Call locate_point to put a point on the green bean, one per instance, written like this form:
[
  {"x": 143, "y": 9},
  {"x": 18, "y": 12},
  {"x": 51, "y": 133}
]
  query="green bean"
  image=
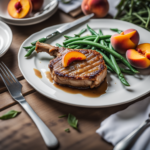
[
  {"x": 30, "y": 51},
  {"x": 138, "y": 16},
  {"x": 90, "y": 38},
  {"x": 58, "y": 45},
  {"x": 40, "y": 40},
  {"x": 107, "y": 40},
  {"x": 127, "y": 71},
  {"x": 85, "y": 37},
  {"x": 114, "y": 53},
  {"x": 109, "y": 68},
  {"x": 148, "y": 19},
  {"x": 116, "y": 30},
  {"x": 106, "y": 59},
  {"x": 80, "y": 33},
  {"x": 91, "y": 30},
  {"x": 118, "y": 71},
  {"x": 80, "y": 46},
  {"x": 68, "y": 37},
  {"x": 73, "y": 46},
  {"x": 131, "y": 7},
  {"x": 78, "y": 38},
  {"x": 28, "y": 47},
  {"x": 96, "y": 40}
]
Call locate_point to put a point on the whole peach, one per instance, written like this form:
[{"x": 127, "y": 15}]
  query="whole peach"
[
  {"x": 128, "y": 39},
  {"x": 37, "y": 4},
  {"x": 98, "y": 7}
]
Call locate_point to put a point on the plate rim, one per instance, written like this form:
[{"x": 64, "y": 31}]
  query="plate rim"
[
  {"x": 32, "y": 22},
  {"x": 10, "y": 37},
  {"x": 78, "y": 105},
  {"x": 32, "y": 18}
]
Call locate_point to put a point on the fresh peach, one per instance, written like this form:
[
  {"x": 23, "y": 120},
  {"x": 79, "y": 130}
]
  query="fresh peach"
[
  {"x": 72, "y": 56},
  {"x": 37, "y": 4},
  {"x": 128, "y": 39},
  {"x": 98, "y": 7},
  {"x": 144, "y": 49},
  {"x": 19, "y": 8},
  {"x": 137, "y": 59}
]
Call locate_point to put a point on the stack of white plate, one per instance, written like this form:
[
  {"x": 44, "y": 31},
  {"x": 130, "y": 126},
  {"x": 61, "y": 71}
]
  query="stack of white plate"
[
  {"x": 5, "y": 38},
  {"x": 5, "y": 17}
]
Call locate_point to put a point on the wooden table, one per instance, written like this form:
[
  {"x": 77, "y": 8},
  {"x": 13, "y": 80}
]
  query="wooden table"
[{"x": 21, "y": 133}]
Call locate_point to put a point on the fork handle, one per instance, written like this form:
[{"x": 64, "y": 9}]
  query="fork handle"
[
  {"x": 49, "y": 138},
  {"x": 127, "y": 141}
]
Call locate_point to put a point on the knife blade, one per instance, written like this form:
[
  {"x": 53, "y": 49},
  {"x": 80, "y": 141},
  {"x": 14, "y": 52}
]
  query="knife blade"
[{"x": 69, "y": 25}]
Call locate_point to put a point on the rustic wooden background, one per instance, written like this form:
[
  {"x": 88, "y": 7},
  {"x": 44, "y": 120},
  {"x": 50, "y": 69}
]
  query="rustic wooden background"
[{"x": 21, "y": 133}]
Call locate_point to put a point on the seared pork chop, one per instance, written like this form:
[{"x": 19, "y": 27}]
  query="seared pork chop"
[{"x": 87, "y": 73}]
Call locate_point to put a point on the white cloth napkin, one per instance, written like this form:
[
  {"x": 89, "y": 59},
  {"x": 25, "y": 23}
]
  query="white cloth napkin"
[
  {"x": 119, "y": 125},
  {"x": 74, "y": 4}
]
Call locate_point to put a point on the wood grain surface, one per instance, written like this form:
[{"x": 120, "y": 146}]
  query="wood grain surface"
[{"x": 20, "y": 133}]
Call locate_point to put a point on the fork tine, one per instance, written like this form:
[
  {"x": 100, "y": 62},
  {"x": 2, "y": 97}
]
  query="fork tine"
[
  {"x": 2, "y": 72},
  {"x": 10, "y": 73}
]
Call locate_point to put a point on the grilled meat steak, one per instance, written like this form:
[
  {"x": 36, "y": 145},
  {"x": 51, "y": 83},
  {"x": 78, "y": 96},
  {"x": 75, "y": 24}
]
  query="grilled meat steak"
[{"x": 87, "y": 73}]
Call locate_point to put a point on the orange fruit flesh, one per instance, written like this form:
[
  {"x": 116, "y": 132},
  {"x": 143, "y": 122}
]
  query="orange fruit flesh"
[
  {"x": 72, "y": 56},
  {"x": 12, "y": 10}
]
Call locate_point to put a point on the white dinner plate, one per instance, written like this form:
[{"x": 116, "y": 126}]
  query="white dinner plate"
[
  {"x": 5, "y": 38},
  {"x": 116, "y": 93},
  {"x": 5, "y": 17}
]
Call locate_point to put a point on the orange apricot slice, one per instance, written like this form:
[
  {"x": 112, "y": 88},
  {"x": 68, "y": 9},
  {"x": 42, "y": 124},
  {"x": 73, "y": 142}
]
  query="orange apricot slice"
[
  {"x": 137, "y": 59},
  {"x": 19, "y": 8},
  {"x": 144, "y": 48},
  {"x": 72, "y": 56}
]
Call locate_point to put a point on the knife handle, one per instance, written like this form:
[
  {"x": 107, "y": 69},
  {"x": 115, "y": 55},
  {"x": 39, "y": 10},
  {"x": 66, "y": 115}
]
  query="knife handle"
[
  {"x": 52, "y": 35},
  {"x": 130, "y": 139}
]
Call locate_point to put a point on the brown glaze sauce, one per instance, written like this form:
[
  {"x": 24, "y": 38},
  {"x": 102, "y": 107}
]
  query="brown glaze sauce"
[
  {"x": 48, "y": 76},
  {"x": 37, "y": 73},
  {"x": 96, "y": 92}
]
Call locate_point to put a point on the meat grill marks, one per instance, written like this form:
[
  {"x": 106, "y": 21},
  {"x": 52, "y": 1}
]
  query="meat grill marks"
[{"x": 81, "y": 74}]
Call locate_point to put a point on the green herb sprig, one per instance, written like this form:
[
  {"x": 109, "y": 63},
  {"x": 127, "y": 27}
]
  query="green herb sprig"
[{"x": 10, "y": 114}]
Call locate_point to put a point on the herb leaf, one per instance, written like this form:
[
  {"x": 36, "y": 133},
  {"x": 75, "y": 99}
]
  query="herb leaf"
[
  {"x": 67, "y": 130},
  {"x": 10, "y": 114},
  {"x": 73, "y": 122},
  {"x": 62, "y": 116}
]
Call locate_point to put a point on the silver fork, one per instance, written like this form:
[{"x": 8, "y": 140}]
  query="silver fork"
[{"x": 14, "y": 87}]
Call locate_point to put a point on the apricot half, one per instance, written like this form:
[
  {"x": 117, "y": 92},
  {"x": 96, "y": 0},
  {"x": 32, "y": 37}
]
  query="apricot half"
[
  {"x": 128, "y": 39},
  {"x": 144, "y": 49},
  {"x": 98, "y": 7},
  {"x": 137, "y": 59},
  {"x": 72, "y": 56},
  {"x": 19, "y": 8}
]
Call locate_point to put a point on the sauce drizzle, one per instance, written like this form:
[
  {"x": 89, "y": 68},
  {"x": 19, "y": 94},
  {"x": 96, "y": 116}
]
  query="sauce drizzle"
[
  {"x": 37, "y": 73},
  {"x": 96, "y": 92}
]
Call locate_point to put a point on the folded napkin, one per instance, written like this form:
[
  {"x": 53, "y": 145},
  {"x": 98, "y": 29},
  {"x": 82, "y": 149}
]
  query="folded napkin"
[
  {"x": 74, "y": 4},
  {"x": 119, "y": 125}
]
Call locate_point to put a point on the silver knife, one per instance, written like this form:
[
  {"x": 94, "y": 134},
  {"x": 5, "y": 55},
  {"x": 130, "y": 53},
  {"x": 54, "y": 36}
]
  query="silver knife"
[{"x": 69, "y": 25}]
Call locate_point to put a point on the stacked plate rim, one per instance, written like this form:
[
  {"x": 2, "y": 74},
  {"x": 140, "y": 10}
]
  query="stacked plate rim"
[{"x": 5, "y": 17}]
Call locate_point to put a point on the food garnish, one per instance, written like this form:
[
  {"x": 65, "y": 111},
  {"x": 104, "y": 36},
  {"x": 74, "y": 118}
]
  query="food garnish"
[
  {"x": 72, "y": 56},
  {"x": 10, "y": 114},
  {"x": 67, "y": 130},
  {"x": 62, "y": 116},
  {"x": 73, "y": 122}
]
